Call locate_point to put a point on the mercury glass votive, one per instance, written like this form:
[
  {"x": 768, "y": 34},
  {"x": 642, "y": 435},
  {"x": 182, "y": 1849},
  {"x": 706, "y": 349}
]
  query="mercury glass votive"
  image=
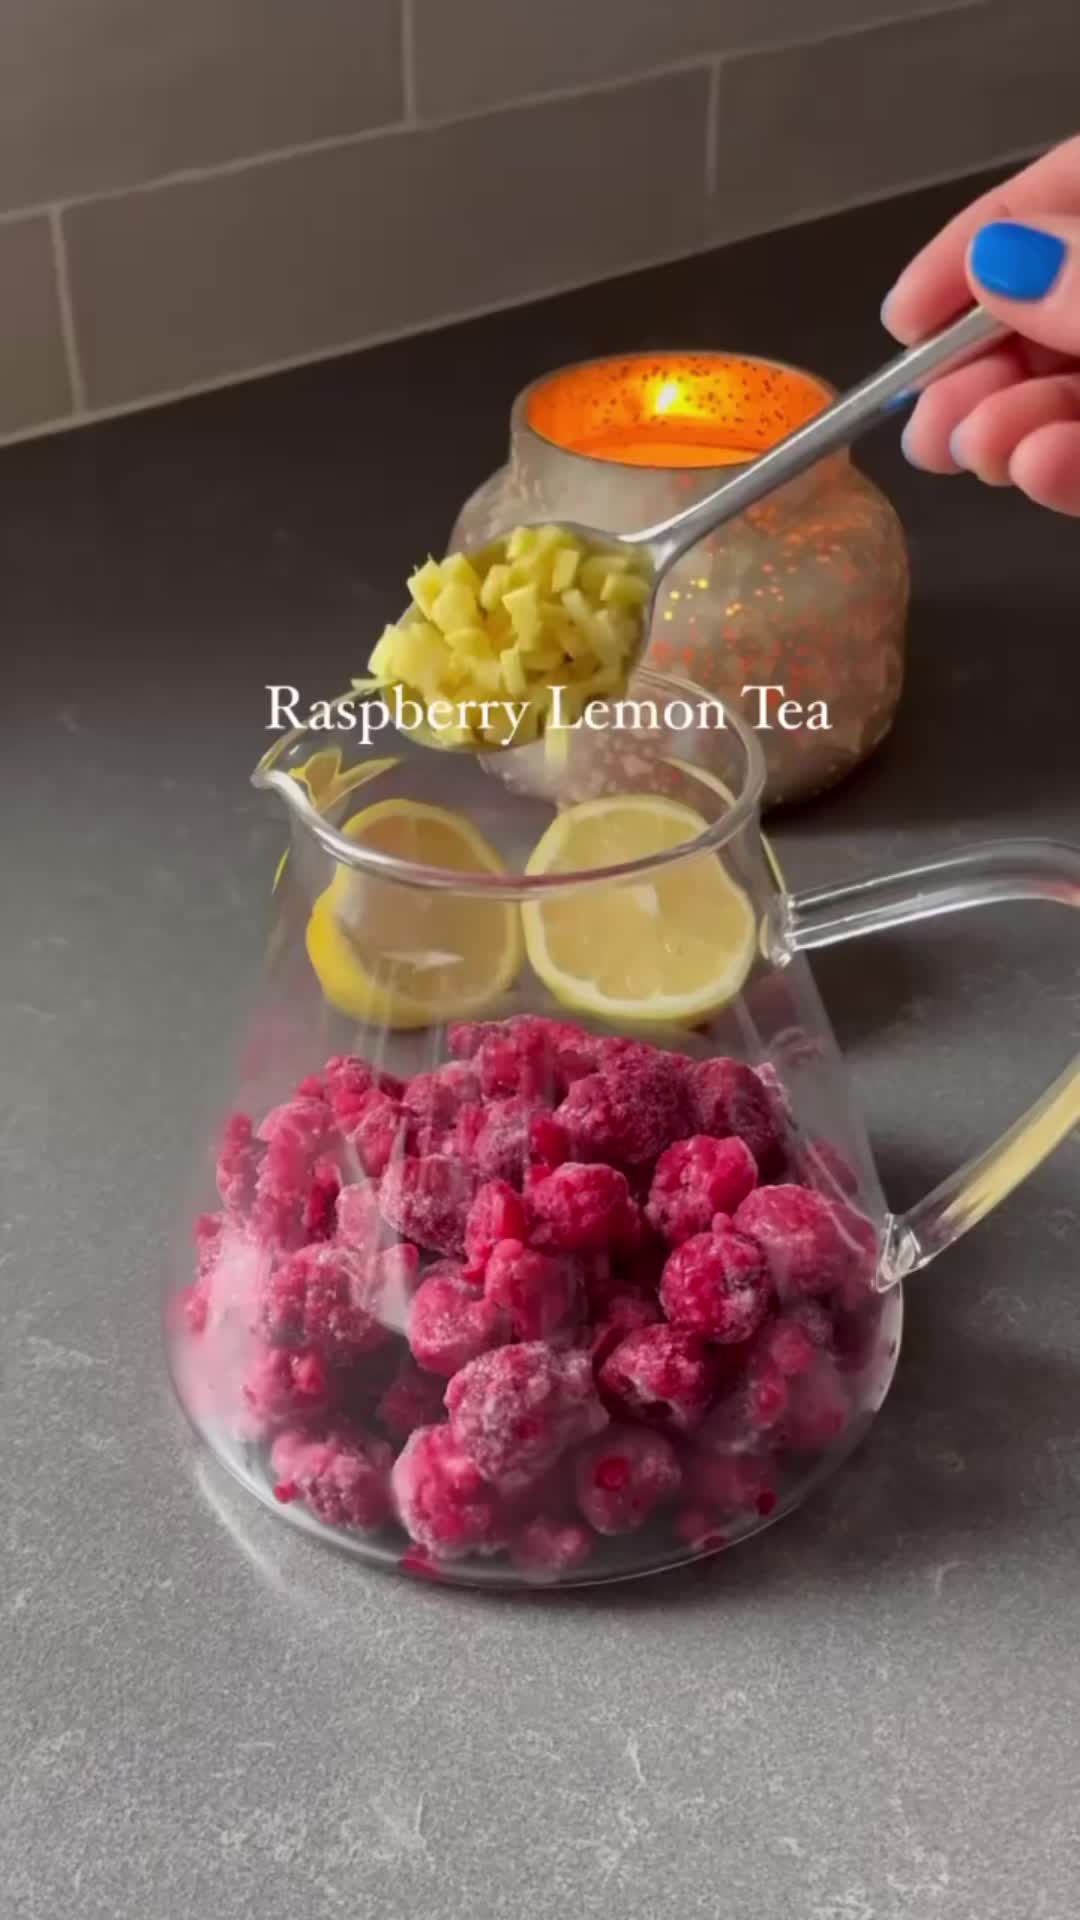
[{"x": 795, "y": 612}]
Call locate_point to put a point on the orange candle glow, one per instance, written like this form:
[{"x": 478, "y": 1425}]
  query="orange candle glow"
[{"x": 672, "y": 410}]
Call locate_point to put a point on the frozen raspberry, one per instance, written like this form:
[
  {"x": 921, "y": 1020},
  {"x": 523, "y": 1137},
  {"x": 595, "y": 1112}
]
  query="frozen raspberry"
[
  {"x": 459, "y": 1141},
  {"x": 516, "y": 1410},
  {"x": 514, "y": 1133},
  {"x": 194, "y": 1305},
  {"x": 522, "y": 1063},
  {"x": 343, "y": 1479},
  {"x": 818, "y": 1408},
  {"x": 377, "y": 1131},
  {"x": 442, "y": 1500},
  {"x": 289, "y": 1383},
  {"x": 428, "y": 1199},
  {"x": 623, "y": 1314},
  {"x": 727, "y": 1098},
  {"x": 618, "y": 1050},
  {"x": 348, "y": 1083},
  {"x": 389, "y": 1285},
  {"x": 207, "y": 1234},
  {"x": 855, "y": 1335},
  {"x": 450, "y": 1323},
  {"x": 660, "y": 1375},
  {"x": 793, "y": 1340},
  {"x": 777, "y": 1095},
  {"x": 357, "y": 1216},
  {"x": 413, "y": 1399},
  {"x": 576, "y": 1052},
  {"x": 591, "y": 1117},
  {"x": 349, "y": 1080},
  {"x": 732, "y": 1483},
  {"x": 238, "y": 1161},
  {"x": 748, "y": 1406},
  {"x": 695, "y": 1179},
  {"x": 765, "y": 1394},
  {"x": 318, "y": 1297},
  {"x": 697, "y": 1529},
  {"x": 311, "y": 1087},
  {"x": 545, "y": 1548},
  {"x": 465, "y": 1038},
  {"x": 622, "y": 1476},
  {"x": 497, "y": 1213},
  {"x": 348, "y": 1073},
  {"x": 319, "y": 1215},
  {"x": 434, "y": 1098},
  {"x": 822, "y": 1166},
  {"x": 626, "y": 1114},
  {"x": 553, "y": 1050},
  {"x": 537, "y": 1293},
  {"x": 306, "y": 1122},
  {"x": 812, "y": 1245},
  {"x": 297, "y": 1132},
  {"x": 716, "y": 1284},
  {"x": 582, "y": 1208}
]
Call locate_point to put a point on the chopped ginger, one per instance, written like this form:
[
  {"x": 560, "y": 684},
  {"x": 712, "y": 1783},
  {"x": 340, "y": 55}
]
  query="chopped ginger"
[{"x": 536, "y": 610}]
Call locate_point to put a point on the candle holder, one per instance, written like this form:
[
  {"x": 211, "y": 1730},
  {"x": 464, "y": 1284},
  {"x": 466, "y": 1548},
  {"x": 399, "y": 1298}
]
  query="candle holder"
[{"x": 795, "y": 612}]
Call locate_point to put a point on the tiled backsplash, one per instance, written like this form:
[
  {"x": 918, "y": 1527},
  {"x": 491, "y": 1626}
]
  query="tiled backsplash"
[{"x": 194, "y": 194}]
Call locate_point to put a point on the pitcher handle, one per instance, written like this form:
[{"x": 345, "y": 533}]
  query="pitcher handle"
[{"x": 978, "y": 877}]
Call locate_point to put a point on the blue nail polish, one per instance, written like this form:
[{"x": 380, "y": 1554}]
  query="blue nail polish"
[
  {"x": 899, "y": 401},
  {"x": 1016, "y": 262}
]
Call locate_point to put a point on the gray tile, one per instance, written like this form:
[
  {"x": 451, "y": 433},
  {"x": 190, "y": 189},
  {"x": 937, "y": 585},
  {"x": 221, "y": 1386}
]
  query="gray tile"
[
  {"x": 34, "y": 385},
  {"x": 206, "y": 278},
  {"x": 107, "y": 93},
  {"x": 475, "y": 53},
  {"x": 810, "y": 128}
]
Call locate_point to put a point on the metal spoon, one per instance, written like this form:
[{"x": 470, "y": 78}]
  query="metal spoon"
[
  {"x": 863, "y": 406},
  {"x": 841, "y": 423}
]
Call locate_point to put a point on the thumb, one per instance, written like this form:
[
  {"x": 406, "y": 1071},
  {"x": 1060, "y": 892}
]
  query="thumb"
[{"x": 1028, "y": 274}]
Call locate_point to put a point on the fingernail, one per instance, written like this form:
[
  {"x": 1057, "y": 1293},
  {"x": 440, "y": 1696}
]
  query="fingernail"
[
  {"x": 905, "y": 445},
  {"x": 885, "y": 305},
  {"x": 956, "y": 449},
  {"x": 1016, "y": 262}
]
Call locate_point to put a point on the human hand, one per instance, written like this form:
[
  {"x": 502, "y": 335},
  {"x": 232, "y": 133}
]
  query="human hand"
[{"x": 1013, "y": 416}]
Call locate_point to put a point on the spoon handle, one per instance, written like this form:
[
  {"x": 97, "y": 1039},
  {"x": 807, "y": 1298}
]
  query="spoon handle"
[{"x": 841, "y": 423}]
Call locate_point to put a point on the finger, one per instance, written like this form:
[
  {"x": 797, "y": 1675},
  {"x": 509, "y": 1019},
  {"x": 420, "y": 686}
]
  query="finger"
[
  {"x": 1027, "y": 273},
  {"x": 985, "y": 442},
  {"x": 1046, "y": 466},
  {"x": 927, "y": 436},
  {"x": 933, "y": 287}
]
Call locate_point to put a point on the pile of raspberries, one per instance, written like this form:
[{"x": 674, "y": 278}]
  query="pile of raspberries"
[{"x": 558, "y": 1289}]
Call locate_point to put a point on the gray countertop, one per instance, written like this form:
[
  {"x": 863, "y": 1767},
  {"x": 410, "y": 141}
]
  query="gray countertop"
[{"x": 869, "y": 1713}]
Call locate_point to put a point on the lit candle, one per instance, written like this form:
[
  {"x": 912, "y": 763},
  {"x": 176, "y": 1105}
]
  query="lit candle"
[{"x": 690, "y": 410}]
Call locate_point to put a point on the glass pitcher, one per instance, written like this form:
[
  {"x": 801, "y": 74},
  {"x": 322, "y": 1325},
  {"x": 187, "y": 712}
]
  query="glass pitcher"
[{"x": 542, "y": 1241}]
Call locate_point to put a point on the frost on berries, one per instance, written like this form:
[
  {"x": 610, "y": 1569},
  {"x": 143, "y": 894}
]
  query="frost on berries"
[{"x": 515, "y": 1411}]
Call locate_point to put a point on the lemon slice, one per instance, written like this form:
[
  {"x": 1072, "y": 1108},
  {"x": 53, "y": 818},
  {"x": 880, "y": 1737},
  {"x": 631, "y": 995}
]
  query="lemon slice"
[
  {"x": 399, "y": 956},
  {"x": 676, "y": 944}
]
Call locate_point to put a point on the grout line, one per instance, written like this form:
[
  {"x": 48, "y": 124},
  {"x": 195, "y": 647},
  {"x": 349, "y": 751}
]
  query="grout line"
[
  {"x": 189, "y": 176},
  {"x": 67, "y": 311},
  {"x": 294, "y": 362},
  {"x": 712, "y": 131},
  {"x": 272, "y": 156},
  {"x": 408, "y": 62}
]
